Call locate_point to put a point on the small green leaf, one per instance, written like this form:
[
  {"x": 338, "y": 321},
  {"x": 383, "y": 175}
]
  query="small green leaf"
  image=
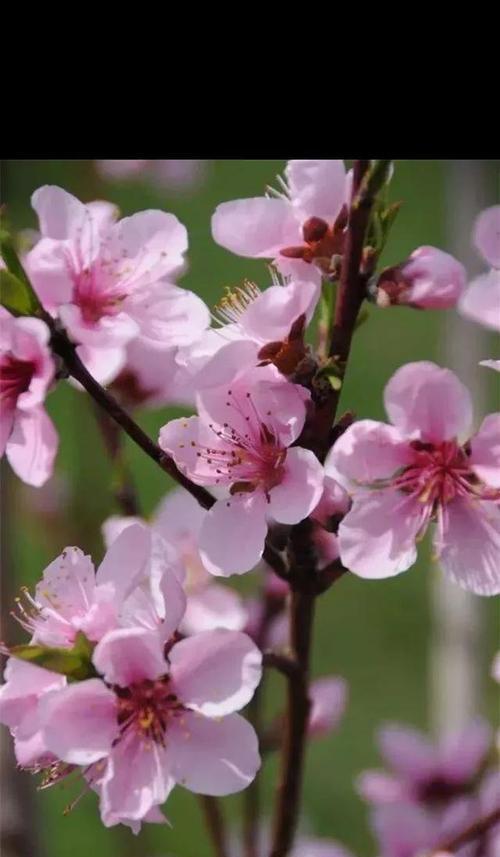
[
  {"x": 75, "y": 663},
  {"x": 16, "y": 292}
]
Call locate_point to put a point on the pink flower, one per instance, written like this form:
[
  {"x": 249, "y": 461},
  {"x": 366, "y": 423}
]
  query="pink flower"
[
  {"x": 135, "y": 580},
  {"x": 154, "y": 721},
  {"x": 305, "y": 846},
  {"x": 241, "y": 442},
  {"x": 106, "y": 280},
  {"x": 297, "y": 226},
  {"x": 150, "y": 376},
  {"x": 422, "y": 772},
  {"x": 404, "y": 830},
  {"x": 429, "y": 279},
  {"x": 404, "y": 476},
  {"x": 27, "y": 435},
  {"x": 172, "y": 174},
  {"x": 481, "y": 301},
  {"x": 328, "y": 697},
  {"x": 210, "y": 605},
  {"x": 333, "y": 504}
]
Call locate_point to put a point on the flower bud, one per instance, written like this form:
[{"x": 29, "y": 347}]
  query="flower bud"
[{"x": 429, "y": 279}]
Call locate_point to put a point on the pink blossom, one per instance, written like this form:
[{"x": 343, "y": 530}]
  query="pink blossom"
[
  {"x": 150, "y": 376},
  {"x": 423, "y": 772},
  {"x": 107, "y": 280},
  {"x": 178, "y": 520},
  {"x": 481, "y": 301},
  {"x": 429, "y": 279},
  {"x": 405, "y": 475},
  {"x": 27, "y": 434},
  {"x": 241, "y": 442},
  {"x": 177, "y": 175},
  {"x": 334, "y": 503},
  {"x": 404, "y": 830},
  {"x": 328, "y": 697},
  {"x": 297, "y": 227},
  {"x": 305, "y": 846},
  {"x": 136, "y": 579},
  {"x": 152, "y": 722}
]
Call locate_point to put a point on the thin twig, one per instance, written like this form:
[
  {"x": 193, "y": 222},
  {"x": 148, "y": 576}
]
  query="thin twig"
[
  {"x": 474, "y": 831},
  {"x": 215, "y": 824},
  {"x": 283, "y": 664}
]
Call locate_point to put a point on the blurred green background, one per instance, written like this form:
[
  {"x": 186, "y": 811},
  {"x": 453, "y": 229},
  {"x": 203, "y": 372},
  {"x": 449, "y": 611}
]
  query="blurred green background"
[{"x": 375, "y": 634}]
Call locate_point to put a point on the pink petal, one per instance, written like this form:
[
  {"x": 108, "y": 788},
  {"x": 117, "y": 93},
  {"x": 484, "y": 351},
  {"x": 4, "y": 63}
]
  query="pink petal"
[
  {"x": 68, "y": 583},
  {"x": 491, "y": 364},
  {"x": 408, "y": 752},
  {"x": 47, "y": 268},
  {"x": 214, "y": 606},
  {"x": 329, "y": 698},
  {"x": 437, "y": 279},
  {"x": 109, "y": 332},
  {"x": 32, "y": 446},
  {"x": 179, "y": 516},
  {"x": 256, "y": 227},
  {"x": 270, "y": 316},
  {"x": 104, "y": 364},
  {"x": 216, "y": 672},
  {"x": 213, "y": 757},
  {"x": 403, "y": 830},
  {"x": 300, "y": 489},
  {"x": 7, "y": 418},
  {"x": 114, "y": 526},
  {"x": 60, "y": 213},
  {"x": 136, "y": 779},
  {"x": 481, "y": 301},
  {"x": 126, "y": 561},
  {"x": 379, "y": 788},
  {"x": 487, "y": 235},
  {"x": 470, "y": 549},
  {"x": 366, "y": 452},
  {"x": 423, "y": 400},
  {"x": 129, "y": 655},
  {"x": 317, "y": 188},
  {"x": 219, "y": 367},
  {"x": 462, "y": 753},
  {"x": 377, "y": 537},
  {"x": 24, "y": 684},
  {"x": 155, "y": 242},
  {"x": 183, "y": 439},
  {"x": 168, "y": 315},
  {"x": 242, "y": 519},
  {"x": 485, "y": 451},
  {"x": 79, "y": 722}
]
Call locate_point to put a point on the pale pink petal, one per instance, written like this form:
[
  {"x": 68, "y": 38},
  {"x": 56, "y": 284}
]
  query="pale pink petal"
[
  {"x": 328, "y": 702},
  {"x": 103, "y": 213},
  {"x": 317, "y": 188},
  {"x": 436, "y": 279},
  {"x": 221, "y": 366},
  {"x": 214, "y": 606},
  {"x": 216, "y": 672},
  {"x": 108, "y": 332},
  {"x": 79, "y": 721},
  {"x": 365, "y": 452},
  {"x": 104, "y": 364},
  {"x": 270, "y": 317},
  {"x": 481, "y": 301},
  {"x": 68, "y": 583},
  {"x": 256, "y": 227},
  {"x": 242, "y": 519},
  {"x": 408, "y": 752},
  {"x": 423, "y": 400},
  {"x": 178, "y": 516},
  {"x": 7, "y": 417},
  {"x": 470, "y": 548},
  {"x": 129, "y": 655},
  {"x": 485, "y": 451},
  {"x": 334, "y": 500},
  {"x": 300, "y": 488},
  {"x": 378, "y": 787},
  {"x": 60, "y": 214},
  {"x": 487, "y": 235},
  {"x": 32, "y": 446},
  {"x": 377, "y": 537},
  {"x": 47, "y": 267},
  {"x": 168, "y": 314},
  {"x": 154, "y": 241},
  {"x": 213, "y": 757},
  {"x": 115, "y": 525},
  {"x": 24, "y": 684},
  {"x": 32, "y": 751},
  {"x": 126, "y": 560},
  {"x": 183, "y": 439},
  {"x": 137, "y": 778},
  {"x": 491, "y": 364},
  {"x": 403, "y": 830},
  {"x": 462, "y": 753}
]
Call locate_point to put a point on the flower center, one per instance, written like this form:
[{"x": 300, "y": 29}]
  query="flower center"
[
  {"x": 96, "y": 293},
  {"x": 15, "y": 378},
  {"x": 439, "y": 474},
  {"x": 147, "y": 708},
  {"x": 322, "y": 243}
]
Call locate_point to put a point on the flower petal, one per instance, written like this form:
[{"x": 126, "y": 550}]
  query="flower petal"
[
  {"x": 32, "y": 446},
  {"x": 487, "y": 235},
  {"x": 463, "y": 753},
  {"x": 68, "y": 583},
  {"x": 408, "y": 752},
  {"x": 377, "y": 536},
  {"x": 255, "y": 227},
  {"x": 423, "y": 400},
  {"x": 126, "y": 561},
  {"x": 485, "y": 451},
  {"x": 269, "y": 317},
  {"x": 300, "y": 489},
  {"x": 213, "y": 757},
  {"x": 129, "y": 655},
  {"x": 60, "y": 213},
  {"x": 214, "y": 606},
  {"x": 216, "y": 672},
  {"x": 365, "y": 452},
  {"x": 242, "y": 520},
  {"x": 79, "y": 722},
  {"x": 470, "y": 549},
  {"x": 317, "y": 188},
  {"x": 481, "y": 301},
  {"x": 137, "y": 778},
  {"x": 329, "y": 698}
]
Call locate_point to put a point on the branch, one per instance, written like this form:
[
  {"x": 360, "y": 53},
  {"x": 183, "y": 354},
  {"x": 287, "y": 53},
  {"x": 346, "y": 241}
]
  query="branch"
[
  {"x": 215, "y": 824},
  {"x": 469, "y": 834},
  {"x": 123, "y": 489},
  {"x": 283, "y": 664}
]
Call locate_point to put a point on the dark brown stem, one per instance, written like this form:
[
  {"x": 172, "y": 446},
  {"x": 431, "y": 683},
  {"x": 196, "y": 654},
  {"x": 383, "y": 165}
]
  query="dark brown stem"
[
  {"x": 283, "y": 664},
  {"x": 474, "y": 831},
  {"x": 124, "y": 490},
  {"x": 66, "y": 350},
  {"x": 215, "y": 824}
]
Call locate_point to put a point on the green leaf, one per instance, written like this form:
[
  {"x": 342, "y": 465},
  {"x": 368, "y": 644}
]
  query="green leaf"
[
  {"x": 75, "y": 663},
  {"x": 16, "y": 292}
]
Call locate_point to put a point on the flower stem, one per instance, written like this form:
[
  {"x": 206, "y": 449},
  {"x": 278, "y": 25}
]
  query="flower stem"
[{"x": 215, "y": 824}]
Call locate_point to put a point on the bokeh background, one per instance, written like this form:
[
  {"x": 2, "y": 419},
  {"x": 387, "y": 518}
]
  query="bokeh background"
[{"x": 410, "y": 650}]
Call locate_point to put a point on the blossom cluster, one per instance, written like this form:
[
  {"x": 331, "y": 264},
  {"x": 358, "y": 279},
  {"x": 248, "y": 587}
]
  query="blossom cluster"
[{"x": 167, "y": 654}]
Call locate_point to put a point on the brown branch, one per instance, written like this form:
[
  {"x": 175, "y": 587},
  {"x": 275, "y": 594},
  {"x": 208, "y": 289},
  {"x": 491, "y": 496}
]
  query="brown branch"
[
  {"x": 215, "y": 824},
  {"x": 474, "y": 831},
  {"x": 283, "y": 664}
]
